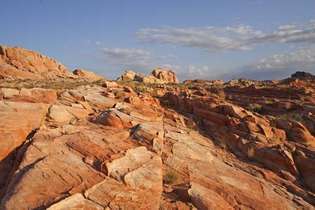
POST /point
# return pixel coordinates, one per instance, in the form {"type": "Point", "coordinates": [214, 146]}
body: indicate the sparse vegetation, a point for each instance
{"type": "Point", "coordinates": [255, 108]}
{"type": "Point", "coordinates": [53, 84]}
{"type": "Point", "coordinates": [292, 116]}
{"type": "Point", "coordinates": [269, 101]}
{"type": "Point", "coordinates": [170, 177]}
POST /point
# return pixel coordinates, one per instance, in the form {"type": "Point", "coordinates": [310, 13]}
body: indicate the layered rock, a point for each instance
{"type": "Point", "coordinates": [18, 120]}
{"type": "Point", "coordinates": [157, 76]}
{"type": "Point", "coordinates": [85, 74]}
{"type": "Point", "coordinates": [19, 63]}
{"type": "Point", "coordinates": [166, 75]}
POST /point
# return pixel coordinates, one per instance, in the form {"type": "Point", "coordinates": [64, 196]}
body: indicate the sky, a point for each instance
{"type": "Point", "coordinates": [217, 39]}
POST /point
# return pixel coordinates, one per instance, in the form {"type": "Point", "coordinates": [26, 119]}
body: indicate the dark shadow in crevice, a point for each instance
{"type": "Point", "coordinates": [9, 165]}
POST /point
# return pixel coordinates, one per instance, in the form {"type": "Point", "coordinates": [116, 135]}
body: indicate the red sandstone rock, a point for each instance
{"type": "Point", "coordinates": [166, 75]}
{"type": "Point", "coordinates": [85, 74]}
{"type": "Point", "coordinates": [18, 120]}
{"type": "Point", "coordinates": [19, 63]}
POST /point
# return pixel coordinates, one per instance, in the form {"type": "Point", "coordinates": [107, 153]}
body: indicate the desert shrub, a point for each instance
{"type": "Point", "coordinates": [170, 177]}
{"type": "Point", "coordinates": [292, 116]}
{"type": "Point", "coordinates": [269, 101]}
{"type": "Point", "coordinates": [255, 108]}
{"type": "Point", "coordinates": [142, 89]}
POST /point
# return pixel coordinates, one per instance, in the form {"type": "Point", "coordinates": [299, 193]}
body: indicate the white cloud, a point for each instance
{"type": "Point", "coordinates": [210, 38]}
{"type": "Point", "coordinates": [302, 59]}
{"type": "Point", "coordinates": [294, 33]}
{"type": "Point", "coordinates": [128, 57]}
{"type": "Point", "coordinates": [228, 38]}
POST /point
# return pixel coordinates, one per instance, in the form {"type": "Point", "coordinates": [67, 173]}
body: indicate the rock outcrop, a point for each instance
{"type": "Point", "coordinates": [85, 74]}
{"type": "Point", "coordinates": [157, 76]}
{"type": "Point", "coordinates": [166, 75]}
{"type": "Point", "coordinates": [19, 63]}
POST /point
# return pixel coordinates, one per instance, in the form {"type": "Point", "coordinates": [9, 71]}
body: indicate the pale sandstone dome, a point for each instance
{"type": "Point", "coordinates": [85, 74]}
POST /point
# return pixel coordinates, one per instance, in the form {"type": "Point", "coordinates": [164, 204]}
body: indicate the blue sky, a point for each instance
{"type": "Point", "coordinates": [197, 38]}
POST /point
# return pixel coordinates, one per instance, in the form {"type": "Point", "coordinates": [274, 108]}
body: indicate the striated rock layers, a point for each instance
{"type": "Point", "coordinates": [19, 63]}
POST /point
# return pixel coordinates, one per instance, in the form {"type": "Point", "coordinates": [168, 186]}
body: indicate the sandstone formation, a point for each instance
{"type": "Point", "coordinates": [197, 145]}
{"type": "Point", "coordinates": [165, 75]}
{"type": "Point", "coordinates": [19, 63]}
{"type": "Point", "coordinates": [85, 74]}
{"type": "Point", "coordinates": [157, 76]}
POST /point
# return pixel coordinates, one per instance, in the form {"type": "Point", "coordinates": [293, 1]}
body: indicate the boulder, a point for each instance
{"type": "Point", "coordinates": [110, 118]}
{"type": "Point", "coordinates": [59, 113]}
{"type": "Point", "coordinates": [157, 76]}
{"type": "Point", "coordinates": [127, 76]}
{"type": "Point", "coordinates": [88, 75]}
{"type": "Point", "coordinates": [151, 134]}
{"type": "Point", "coordinates": [165, 75]}
{"type": "Point", "coordinates": [296, 131]}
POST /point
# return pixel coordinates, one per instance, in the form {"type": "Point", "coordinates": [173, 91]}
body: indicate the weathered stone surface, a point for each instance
{"type": "Point", "coordinates": [127, 76]}
{"type": "Point", "coordinates": [34, 95]}
{"type": "Point", "coordinates": [46, 162]}
{"type": "Point", "coordinates": [306, 164]}
{"type": "Point", "coordinates": [114, 118]}
{"type": "Point", "coordinates": [38, 95]}
{"type": "Point", "coordinates": [165, 75]}
{"type": "Point", "coordinates": [76, 201]}
{"type": "Point", "coordinates": [151, 134]}
{"type": "Point", "coordinates": [17, 121]}
{"type": "Point", "coordinates": [205, 198]}
{"type": "Point", "coordinates": [60, 114]}
{"type": "Point", "coordinates": [19, 63]}
{"type": "Point", "coordinates": [85, 74]}
{"type": "Point", "coordinates": [133, 159]}
{"type": "Point", "coordinates": [157, 76]}
{"type": "Point", "coordinates": [9, 92]}
{"type": "Point", "coordinates": [115, 195]}
{"type": "Point", "coordinates": [296, 131]}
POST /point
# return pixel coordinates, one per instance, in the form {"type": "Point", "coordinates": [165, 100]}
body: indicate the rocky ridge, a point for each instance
{"type": "Point", "coordinates": [194, 145]}
{"type": "Point", "coordinates": [20, 63]}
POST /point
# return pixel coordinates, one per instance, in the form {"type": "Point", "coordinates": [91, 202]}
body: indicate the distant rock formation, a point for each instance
{"type": "Point", "coordinates": [158, 76]}
{"type": "Point", "coordinates": [302, 75]}
{"type": "Point", "coordinates": [165, 75]}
